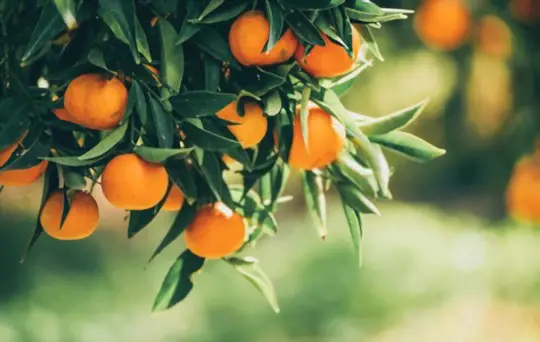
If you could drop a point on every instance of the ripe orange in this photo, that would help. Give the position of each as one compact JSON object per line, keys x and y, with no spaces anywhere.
{"x":443,"y":24}
{"x":494,"y":37}
{"x":96,"y":102}
{"x":326,"y":139}
{"x":248,"y":36}
{"x":131,"y":183}
{"x":330,"y":60}
{"x":215,"y":232}
{"x":6,"y":153}
{"x":62,"y":114}
{"x":527,"y":11}
{"x":81,"y":220}
{"x":523,"y":190}
{"x":24,"y":176}
{"x":175,"y":199}
{"x":249,"y":129}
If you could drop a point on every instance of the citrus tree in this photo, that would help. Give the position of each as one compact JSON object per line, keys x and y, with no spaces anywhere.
{"x":153,"y":100}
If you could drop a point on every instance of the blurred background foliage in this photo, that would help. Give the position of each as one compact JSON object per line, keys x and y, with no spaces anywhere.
{"x":449,"y":266}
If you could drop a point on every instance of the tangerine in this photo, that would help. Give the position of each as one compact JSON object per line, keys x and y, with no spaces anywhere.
{"x":174,"y":200}
{"x":494,"y":37}
{"x":326,"y":139}
{"x":248,"y":36}
{"x":131,"y":183}
{"x":443,"y":24}
{"x":249,"y":129}
{"x":6,"y":153}
{"x":80,"y":222}
{"x":330,"y":60}
{"x":523,"y":190}
{"x":96,"y":102}
{"x":215,"y":232}
{"x":23,"y":177}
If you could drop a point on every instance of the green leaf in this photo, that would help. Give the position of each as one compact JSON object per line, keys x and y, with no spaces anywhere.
{"x":73,"y":161}
{"x":172,"y":58}
{"x":231,"y":9}
{"x":163,"y":123}
{"x":74,"y":180}
{"x":211,"y":42}
{"x":369,"y":38}
{"x":193,"y":104}
{"x":408,"y":145}
{"x":313,"y":4}
{"x":140,"y":101}
{"x":182,"y":176}
{"x":207,"y":137}
{"x":49,"y":25}
{"x":106,"y":144}
{"x":211,"y":170}
{"x":367,"y":6}
{"x":316,"y":201}
{"x":178,"y":282}
{"x":276,"y":18}
{"x":14,"y":120}
{"x":354,"y":221}
{"x":142,"y":41}
{"x":212,"y":74}
{"x":50,"y":184}
{"x":187,"y":31}
{"x":181,"y":222}
{"x":304,"y":115}
{"x":68,"y":12}
{"x":160,"y":155}
{"x":304,"y":29}
{"x":140,"y":219}
{"x":119,"y":15}
{"x":66,"y":203}
{"x":356,"y":199}
{"x":395,"y":121}
{"x":32,"y":149}
{"x":210,"y":7}
{"x":359,"y":175}
{"x":264,"y":81}
{"x":95,"y":57}
{"x":249,"y":268}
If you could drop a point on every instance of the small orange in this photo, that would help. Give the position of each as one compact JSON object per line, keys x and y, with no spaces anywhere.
{"x":175,"y":199}
{"x":6,"y":153}
{"x":523,"y":189}
{"x":493,"y":37}
{"x":443,"y":24}
{"x":249,"y":129}
{"x":131,"y":183}
{"x":248,"y":36}
{"x":215,"y":232}
{"x":326,"y":139}
{"x":81,"y":220}
{"x":96,"y":102}
{"x":330,"y":60}
{"x":24,"y":176}
{"x":62,"y":114}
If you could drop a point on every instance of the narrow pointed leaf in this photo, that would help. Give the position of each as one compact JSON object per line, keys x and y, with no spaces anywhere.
{"x":107,"y":144}
{"x":178,"y":282}
{"x":409,"y":145}
{"x":276,"y":19}
{"x":354,"y":221}
{"x":249,"y":268}
{"x":67,"y":10}
{"x":160,"y":155}
{"x":172,"y":57}
{"x":315,"y":200}
{"x":49,"y":25}
{"x":356,"y":200}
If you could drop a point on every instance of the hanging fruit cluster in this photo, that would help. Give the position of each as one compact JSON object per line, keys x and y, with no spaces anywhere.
{"x":154,"y":99}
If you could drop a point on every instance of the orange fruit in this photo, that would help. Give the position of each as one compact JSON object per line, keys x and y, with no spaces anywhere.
{"x":248,"y":36}
{"x":326,"y":139}
{"x":525,"y":10}
{"x":523,"y":190}
{"x":62,"y":114}
{"x":330,"y":60}
{"x":24,"y":176}
{"x":96,"y":102}
{"x":131,"y":183}
{"x":443,"y":24}
{"x":175,"y":199}
{"x":6,"y":153}
{"x":249,"y":129}
{"x":494,"y":37}
{"x":215,"y":232}
{"x":81,"y":220}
